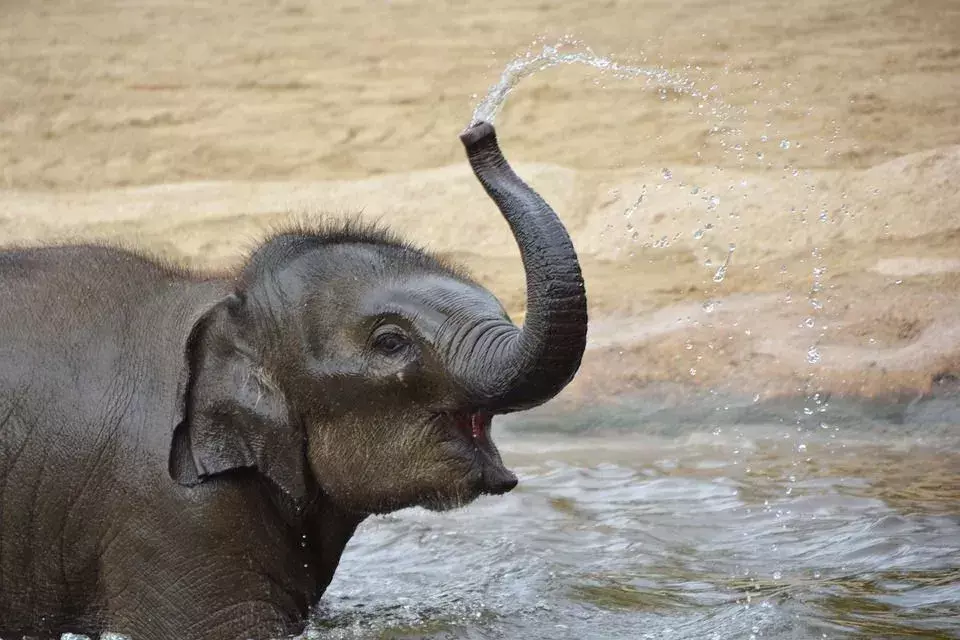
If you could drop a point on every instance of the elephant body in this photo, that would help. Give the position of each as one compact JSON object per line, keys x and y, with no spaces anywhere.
{"x":91,"y":386}
{"x":184,"y":456}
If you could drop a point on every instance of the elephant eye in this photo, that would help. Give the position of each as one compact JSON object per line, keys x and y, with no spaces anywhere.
{"x":391,"y":343}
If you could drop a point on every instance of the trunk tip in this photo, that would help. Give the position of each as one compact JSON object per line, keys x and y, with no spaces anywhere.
{"x":478,"y":133}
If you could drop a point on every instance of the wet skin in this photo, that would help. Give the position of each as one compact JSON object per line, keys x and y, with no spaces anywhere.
{"x":185,"y":456}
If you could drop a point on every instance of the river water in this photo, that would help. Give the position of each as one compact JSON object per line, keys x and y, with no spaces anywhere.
{"x":736,"y":529}
{"x":670,"y":530}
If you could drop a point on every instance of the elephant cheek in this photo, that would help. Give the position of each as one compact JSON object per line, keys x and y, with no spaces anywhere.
{"x":359,"y":469}
{"x":337,"y":468}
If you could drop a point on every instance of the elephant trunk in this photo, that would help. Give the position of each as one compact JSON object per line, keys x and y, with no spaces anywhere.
{"x":519,"y":369}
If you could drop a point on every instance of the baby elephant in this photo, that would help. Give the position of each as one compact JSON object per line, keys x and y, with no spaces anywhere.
{"x":185,"y":456}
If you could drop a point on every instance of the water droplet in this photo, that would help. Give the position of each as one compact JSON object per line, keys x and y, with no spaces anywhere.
{"x":764,"y":138}
{"x":533,"y":61}
{"x":667,"y":175}
{"x":693,"y":372}
{"x":784,"y":144}
{"x":813,"y":355}
{"x":714,"y":202}
{"x":759,"y":155}
{"x":695,"y":190}
{"x":722,"y":270}
{"x":709,"y":306}
{"x":777,"y":576}
{"x":636,"y":204}
{"x":809,"y":323}
{"x":698,"y":234}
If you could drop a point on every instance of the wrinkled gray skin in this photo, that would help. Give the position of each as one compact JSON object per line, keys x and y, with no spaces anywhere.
{"x":185,"y":457}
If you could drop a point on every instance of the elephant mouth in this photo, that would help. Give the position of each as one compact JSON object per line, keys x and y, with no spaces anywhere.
{"x":492,"y":477}
{"x":475,"y":425}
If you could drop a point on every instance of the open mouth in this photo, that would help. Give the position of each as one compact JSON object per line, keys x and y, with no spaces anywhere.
{"x":475,"y":425}
{"x":472,"y":426}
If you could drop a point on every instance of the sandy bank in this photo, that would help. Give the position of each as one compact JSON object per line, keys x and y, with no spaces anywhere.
{"x":805,"y":237}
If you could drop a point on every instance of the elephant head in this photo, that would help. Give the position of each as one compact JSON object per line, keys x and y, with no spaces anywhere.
{"x":349,"y":362}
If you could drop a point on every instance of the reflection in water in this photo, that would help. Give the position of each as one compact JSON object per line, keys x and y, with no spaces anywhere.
{"x":701,"y":536}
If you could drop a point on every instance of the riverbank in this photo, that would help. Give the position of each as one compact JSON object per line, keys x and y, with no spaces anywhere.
{"x":856,"y":294}
{"x":797,"y":232}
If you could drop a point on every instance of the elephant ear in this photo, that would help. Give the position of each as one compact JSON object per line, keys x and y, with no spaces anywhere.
{"x":234,"y":416}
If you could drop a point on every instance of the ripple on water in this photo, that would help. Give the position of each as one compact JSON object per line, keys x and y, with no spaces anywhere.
{"x":687,"y":541}
{"x":666,"y":547}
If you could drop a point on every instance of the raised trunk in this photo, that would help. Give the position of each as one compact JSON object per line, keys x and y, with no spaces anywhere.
{"x":519,"y":369}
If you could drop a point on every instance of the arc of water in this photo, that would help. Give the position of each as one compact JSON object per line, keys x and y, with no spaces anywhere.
{"x":550,"y":56}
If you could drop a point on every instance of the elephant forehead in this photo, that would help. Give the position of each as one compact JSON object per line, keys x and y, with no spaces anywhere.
{"x":432,"y":299}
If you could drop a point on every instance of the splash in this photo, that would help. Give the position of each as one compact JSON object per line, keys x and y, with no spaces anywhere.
{"x":722,"y":270}
{"x":549,"y":56}
{"x":542,"y":56}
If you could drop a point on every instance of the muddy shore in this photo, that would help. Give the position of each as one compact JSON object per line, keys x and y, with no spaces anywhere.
{"x":805,"y":240}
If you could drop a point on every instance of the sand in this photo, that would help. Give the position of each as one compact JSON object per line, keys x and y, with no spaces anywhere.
{"x":805,"y":237}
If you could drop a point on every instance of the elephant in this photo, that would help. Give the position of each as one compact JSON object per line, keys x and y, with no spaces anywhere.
{"x":184,"y":455}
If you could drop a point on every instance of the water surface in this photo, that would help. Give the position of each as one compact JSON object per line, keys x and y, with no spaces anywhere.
{"x":736,"y":531}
